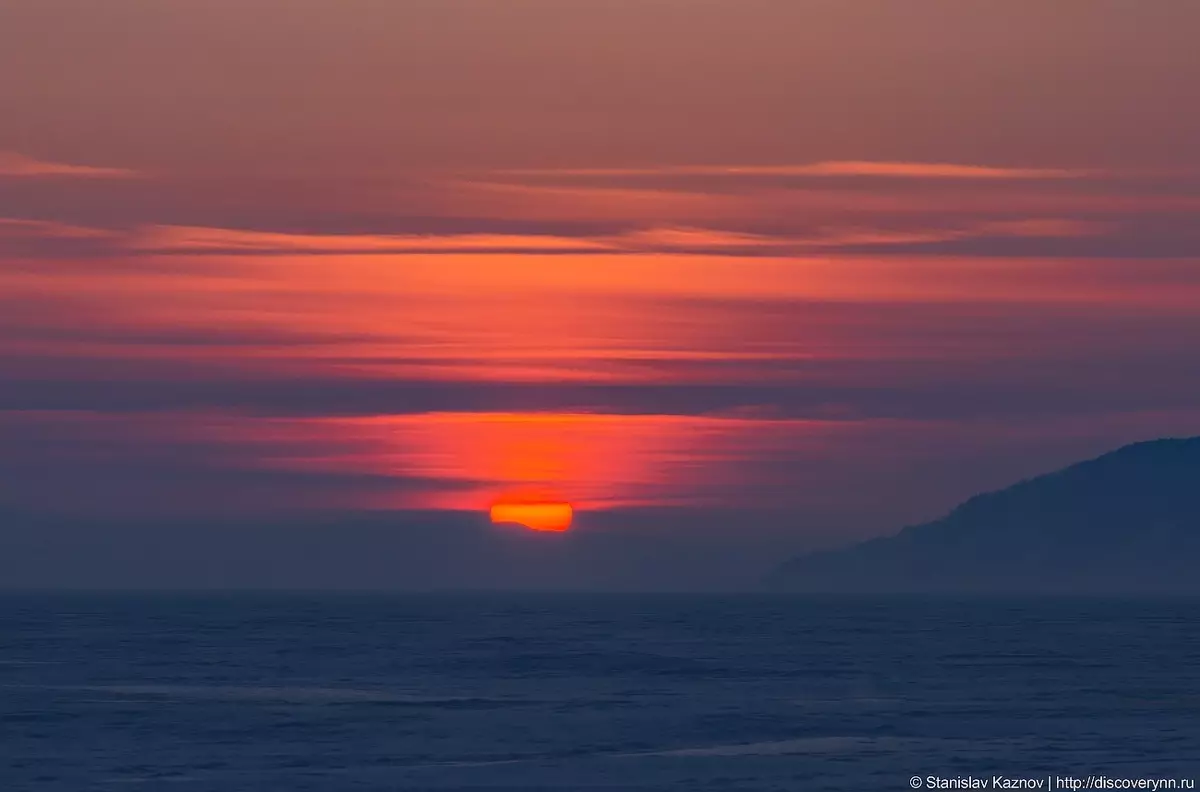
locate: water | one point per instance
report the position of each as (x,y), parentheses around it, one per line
(340,692)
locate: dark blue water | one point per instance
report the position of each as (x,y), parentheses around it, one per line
(492,692)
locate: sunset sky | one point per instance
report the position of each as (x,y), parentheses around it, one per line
(734,278)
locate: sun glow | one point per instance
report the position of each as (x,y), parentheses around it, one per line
(544,516)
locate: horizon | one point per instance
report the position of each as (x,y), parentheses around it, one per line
(496,543)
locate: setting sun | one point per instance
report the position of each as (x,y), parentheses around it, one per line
(546,516)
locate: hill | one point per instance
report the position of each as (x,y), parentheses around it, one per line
(1126,522)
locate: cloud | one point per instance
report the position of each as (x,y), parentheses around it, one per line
(34,239)
(24,238)
(859,238)
(777,207)
(16,165)
(683,239)
(19,228)
(916,359)
(924,170)
(750,211)
(867,168)
(228,241)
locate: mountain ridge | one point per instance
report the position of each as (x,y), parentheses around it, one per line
(1126,521)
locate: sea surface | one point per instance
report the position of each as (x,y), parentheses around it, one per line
(332,692)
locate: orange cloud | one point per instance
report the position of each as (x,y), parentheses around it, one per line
(16,165)
(591,460)
(654,317)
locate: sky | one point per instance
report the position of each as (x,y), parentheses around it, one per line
(292,292)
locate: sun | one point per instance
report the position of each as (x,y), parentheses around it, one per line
(553,516)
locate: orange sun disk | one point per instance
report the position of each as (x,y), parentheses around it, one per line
(545,516)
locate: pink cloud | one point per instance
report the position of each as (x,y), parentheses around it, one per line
(196,239)
(16,165)
(14,228)
(907,170)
